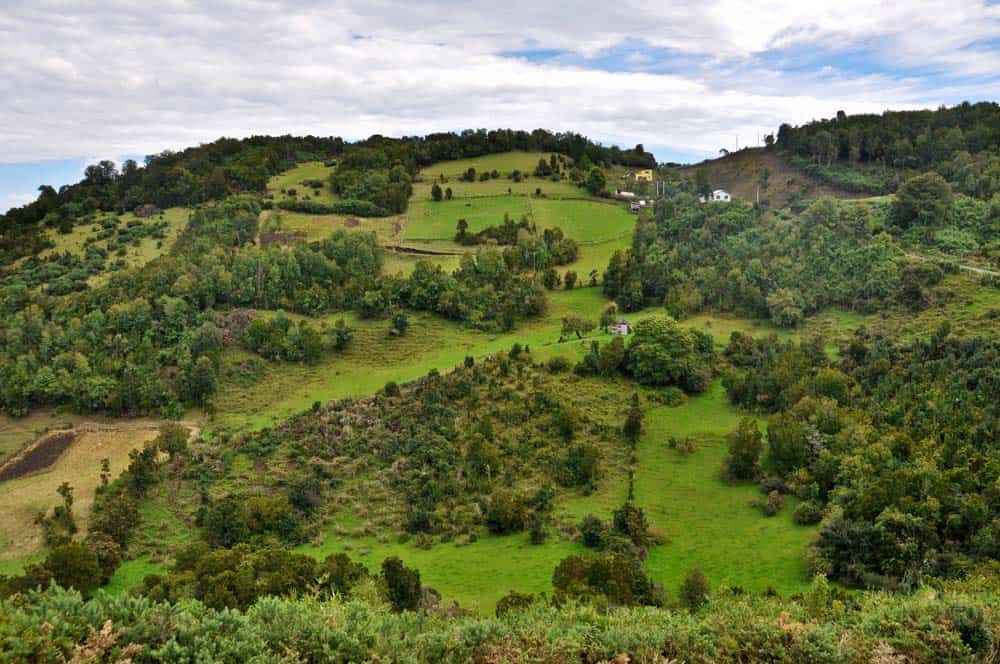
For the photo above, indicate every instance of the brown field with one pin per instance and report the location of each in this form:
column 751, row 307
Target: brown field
column 17, row 432
column 40, row 456
column 739, row 173
column 23, row 498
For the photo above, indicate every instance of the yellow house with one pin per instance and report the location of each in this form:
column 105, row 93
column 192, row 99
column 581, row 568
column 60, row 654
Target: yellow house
column 646, row 175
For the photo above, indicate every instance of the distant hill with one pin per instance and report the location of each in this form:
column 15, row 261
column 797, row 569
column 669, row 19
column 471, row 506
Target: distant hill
column 742, row 173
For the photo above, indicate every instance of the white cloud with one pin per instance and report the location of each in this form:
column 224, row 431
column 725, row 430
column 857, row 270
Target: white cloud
column 8, row 201
column 81, row 79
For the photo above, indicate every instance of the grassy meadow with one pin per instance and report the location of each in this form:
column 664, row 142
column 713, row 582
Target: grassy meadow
column 430, row 220
column 504, row 164
column 320, row 226
column 583, row 220
column 279, row 185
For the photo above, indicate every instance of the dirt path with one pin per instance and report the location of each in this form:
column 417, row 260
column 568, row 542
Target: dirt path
column 967, row 268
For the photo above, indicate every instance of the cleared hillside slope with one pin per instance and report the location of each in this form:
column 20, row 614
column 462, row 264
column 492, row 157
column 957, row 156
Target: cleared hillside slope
column 741, row 173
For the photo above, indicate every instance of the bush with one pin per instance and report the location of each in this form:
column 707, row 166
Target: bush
column 808, row 513
column 592, row 531
column 506, row 513
column 402, row 585
column 694, row 590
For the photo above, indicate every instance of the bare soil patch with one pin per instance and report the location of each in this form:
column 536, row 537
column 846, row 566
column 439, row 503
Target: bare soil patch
column 39, row 456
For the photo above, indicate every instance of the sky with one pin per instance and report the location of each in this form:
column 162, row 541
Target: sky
column 84, row 81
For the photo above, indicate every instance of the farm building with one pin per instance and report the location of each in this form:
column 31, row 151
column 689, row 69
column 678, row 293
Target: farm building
column 717, row 196
column 621, row 327
column 645, row 175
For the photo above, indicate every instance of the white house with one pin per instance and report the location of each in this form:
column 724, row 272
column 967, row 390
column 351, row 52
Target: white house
column 717, row 196
column 621, row 326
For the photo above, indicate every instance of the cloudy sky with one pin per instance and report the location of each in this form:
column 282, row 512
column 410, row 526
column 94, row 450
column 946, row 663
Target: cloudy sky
column 83, row 81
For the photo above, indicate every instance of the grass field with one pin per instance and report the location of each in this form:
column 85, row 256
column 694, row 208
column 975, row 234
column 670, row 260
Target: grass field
column 584, row 221
column 25, row 497
column 707, row 522
column 429, row 220
column 402, row 263
column 320, row 226
column 135, row 256
column 293, row 178
column 504, row 164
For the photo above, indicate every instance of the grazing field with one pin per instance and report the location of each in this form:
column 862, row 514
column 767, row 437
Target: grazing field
column 708, row 523
column 374, row 358
column 80, row 464
column 396, row 262
column 584, row 221
column 961, row 301
column 475, row 575
column 135, row 255
column 429, row 220
column 293, row 179
column 320, row 226
column 504, row 164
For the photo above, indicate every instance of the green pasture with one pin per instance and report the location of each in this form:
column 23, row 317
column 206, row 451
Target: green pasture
column 293, row 178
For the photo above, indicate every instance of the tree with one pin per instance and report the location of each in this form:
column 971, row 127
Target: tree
column 661, row 352
column 702, row 187
column 402, row 585
column 172, row 439
column 592, row 531
column 786, row 307
column 74, row 565
column 923, row 200
column 201, row 385
column 447, row 193
column 595, row 182
column 436, row 191
column 506, row 513
column 341, row 335
column 745, row 447
column 694, row 589
column 569, row 280
column 400, row 322
column 629, row 521
column 632, row 428
column 573, row 324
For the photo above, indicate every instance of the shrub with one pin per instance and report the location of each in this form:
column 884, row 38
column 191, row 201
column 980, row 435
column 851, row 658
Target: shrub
column 808, row 513
column 694, row 590
column 402, row 584
column 506, row 513
column 592, row 531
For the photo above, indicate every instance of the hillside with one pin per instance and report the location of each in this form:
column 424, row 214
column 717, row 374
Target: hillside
column 384, row 373
column 742, row 174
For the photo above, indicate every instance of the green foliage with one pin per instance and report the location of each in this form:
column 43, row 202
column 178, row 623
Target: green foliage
column 402, row 585
column 753, row 262
column 923, row 200
column 745, row 447
column 694, row 590
column 616, row 577
column 663, row 353
column 927, row 627
column 506, row 513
